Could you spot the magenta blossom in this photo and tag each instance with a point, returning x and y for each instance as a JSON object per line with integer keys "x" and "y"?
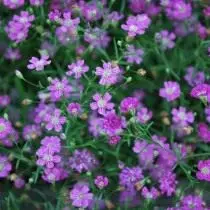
{"x": 5, "y": 166}
{"x": 101, "y": 181}
{"x": 201, "y": 91}
{"x": 74, "y": 108}
{"x": 204, "y": 170}
{"x": 39, "y": 64}
{"x": 129, "y": 104}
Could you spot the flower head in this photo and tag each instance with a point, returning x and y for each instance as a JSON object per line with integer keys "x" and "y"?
{"x": 39, "y": 64}
{"x": 204, "y": 170}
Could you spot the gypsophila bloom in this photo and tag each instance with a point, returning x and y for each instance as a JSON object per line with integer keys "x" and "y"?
{"x": 168, "y": 183}
{"x": 204, "y": 170}
{"x": 74, "y": 109}
{"x": 102, "y": 103}
{"x": 101, "y": 181}
{"x": 144, "y": 115}
{"x": 113, "y": 18}
{"x": 13, "y": 4}
{"x": 54, "y": 121}
{"x": 59, "y": 88}
{"x": 95, "y": 125}
{"x": 113, "y": 140}
{"x": 178, "y": 10}
{"x": 18, "y": 28}
{"x": 192, "y": 202}
{"x": 165, "y": 39}
{"x": 201, "y": 91}
{"x": 193, "y": 77}
{"x": 12, "y": 54}
{"x": 82, "y": 160}
{"x": 19, "y": 183}
{"x": 182, "y": 117}
{"x": 39, "y": 64}
{"x": 5, "y": 127}
{"x": 136, "y": 25}
{"x": 77, "y": 69}
{"x": 31, "y": 132}
{"x": 207, "y": 112}
{"x": 171, "y": 91}
{"x": 80, "y": 195}
{"x": 55, "y": 15}
{"x": 4, "y": 100}
{"x": 113, "y": 124}
{"x": 37, "y": 2}
{"x": 204, "y": 132}
{"x": 206, "y": 11}
{"x": 109, "y": 74}
{"x": 151, "y": 194}
{"x": 11, "y": 138}
{"x": 129, "y": 104}
{"x": 130, "y": 176}
{"x": 51, "y": 144}
{"x": 5, "y": 166}
{"x": 133, "y": 55}
{"x": 96, "y": 37}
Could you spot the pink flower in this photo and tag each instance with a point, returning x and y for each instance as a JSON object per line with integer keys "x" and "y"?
{"x": 101, "y": 181}
{"x": 144, "y": 115}
{"x": 39, "y": 64}
{"x": 152, "y": 194}
{"x": 77, "y": 69}
{"x": 171, "y": 91}
{"x": 136, "y": 25}
{"x": 129, "y": 104}
{"x": 102, "y": 103}
{"x": 13, "y": 4}
{"x": 201, "y": 91}
{"x": 204, "y": 132}
{"x": 204, "y": 170}
{"x": 74, "y": 108}
{"x": 109, "y": 74}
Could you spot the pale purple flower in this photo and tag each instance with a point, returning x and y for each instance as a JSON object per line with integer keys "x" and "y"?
{"x": 182, "y": 117}
{"x": 201, "y": 91}
{"x": 102, "y": 103}
{"x": 83, "y": 160}
{"x": 151, "y": 194}
{"x": 37, "y": 3}
{"x": 5, "y": 128}
{"x": 136, "y": 25}
{"x": 19, "y": 183}
{"x": 130, "y": 176}
{"x": 101, "y": 181}
{"x": 129, "y": 104}
{"x": 144, "y": 115}
{"x": 95, "y": 125}
{"x": 77, "y": 69}
{"x": 192, "y": 202}
{"x": 4, "y": 100}
{"x": 113, "y": 140}
{"x": 59, "y": 88}
{"x": 133, "y": 55}
{"x": 171, "y": 91}
{"x": 54, "y": 120}
{"x": 165, "y": 39}
{"x": 31, "y": 132}
{"x": 38, "y": 64}
{"x": 109, "y": 74}
{"x": 74, "y": 109}
{"x": 97, "y": 37}
{"x": 13, "y": 4}
{"x": 204, "y": 132}
{"x": 207, "y": 112}
{"x": 12, "y": 54}
{"x": 80, "y": 195}
{"x": 204, "y": 170}
{"x": 52, "y": 144}
{"x": 113, "y": 18}
{"x": 5, "y": 166}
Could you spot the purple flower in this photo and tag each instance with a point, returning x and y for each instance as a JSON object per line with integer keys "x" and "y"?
{"x": 31, "y": 132}
{"x": 82, "y": 160}
{"x": 96, "y": 37}
{"x": 204, "y": 170}
{"x": 136, "y": 25}
{"x": 37, "y": 3}
{"x": 38, "y": 64}
{"x": 5, "y": 128}
{"x": 153, "y": 194}
{"x": 129, "y": 104}
{"x": 77, "y": 69}
{"x": 144, "y": 115}
{"x": 101, "y": 181}
{"x": 19, "y": 183}
{"x": 168, "y": 183}
{"x": 201, "y": 91}
{"x": 204, "y": 132}
{"x": 182, "y": 117}
{"x": 113, "y": 18}
{"x": 171, "y": 91}
{"x": 74, "y": 108}
{"x": 110, "y": 73}
{"x": 193, "y": 77}
{"x": 102, "y": 103}
{"x": 5, "y": 166}
{"x": 13, "y": 4}
{"x": 59, "y": 88}
{"x": 4, "y": 100}
{"x": 51, "y": 144}
{"x": 95, "y": 125}
{"x": 130, "y": 176}
{"x": 113, "y": 124}
{"x": 206, "y": 11}
{"x": 12, "y": 54}
{"x": 113, "y": 140}
{"x": 207, "y": 112}
{"x": 54, "y": 121}
{"x": 165, "y": 39}
{"x": 134, "y": 55}
{"x": 80, "y": 195}
{"x": 192, "y": 202}
{"x": 178, "y": 10}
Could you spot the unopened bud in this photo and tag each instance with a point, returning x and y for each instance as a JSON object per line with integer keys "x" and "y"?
{"x": 19, "y": 74}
